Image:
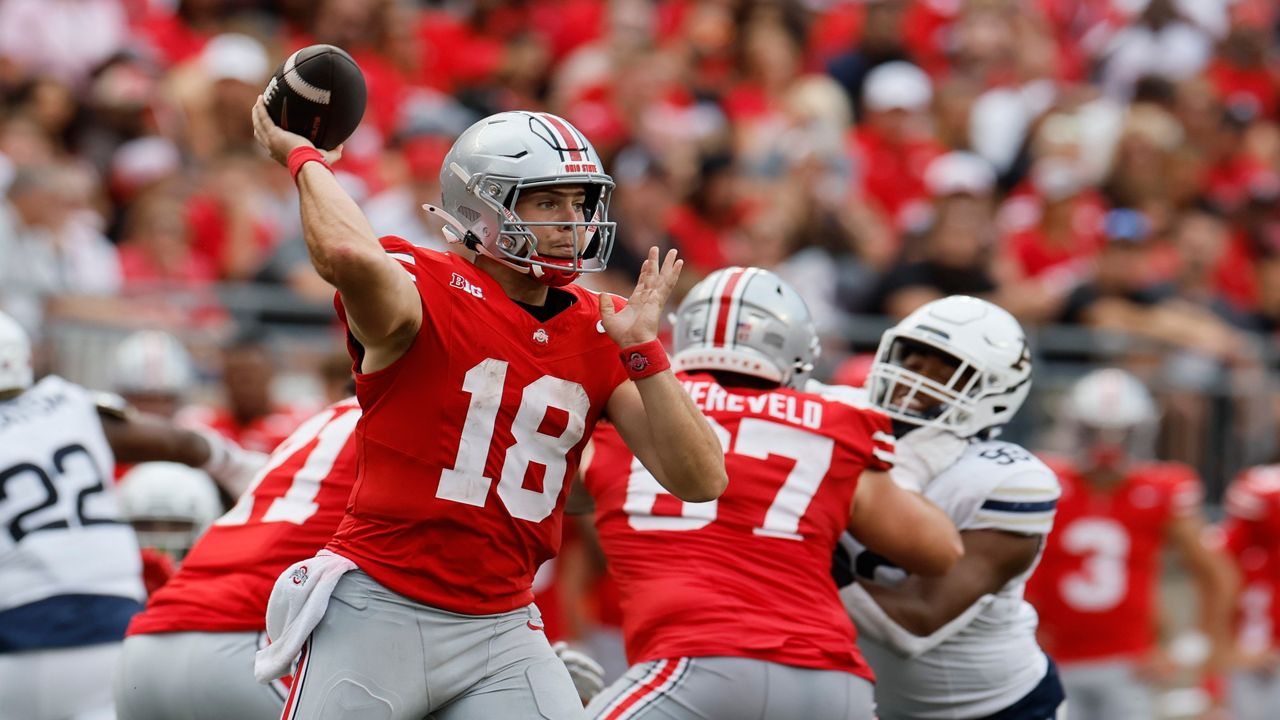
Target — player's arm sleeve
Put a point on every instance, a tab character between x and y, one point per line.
409	270
881	455
1024	502
873	622
377	282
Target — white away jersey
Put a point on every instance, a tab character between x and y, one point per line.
60	526
994	660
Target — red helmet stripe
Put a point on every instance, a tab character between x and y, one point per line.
719	337
566	137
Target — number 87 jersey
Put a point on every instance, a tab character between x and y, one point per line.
747	575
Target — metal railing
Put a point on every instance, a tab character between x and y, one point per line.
1224	420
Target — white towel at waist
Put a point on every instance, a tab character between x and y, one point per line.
298	601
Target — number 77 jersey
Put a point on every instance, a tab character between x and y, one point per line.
747	575
287	514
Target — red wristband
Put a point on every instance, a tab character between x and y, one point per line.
302	155
645	359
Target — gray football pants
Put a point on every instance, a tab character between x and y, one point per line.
194	676
377	655
1255	696
1106	690
731	688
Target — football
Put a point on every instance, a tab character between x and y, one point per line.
317	92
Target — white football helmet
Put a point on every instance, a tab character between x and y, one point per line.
992	375
1110	399
152	362
505	154
747	321
15	356
1113	417
169	505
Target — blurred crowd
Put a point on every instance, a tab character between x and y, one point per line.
1111	164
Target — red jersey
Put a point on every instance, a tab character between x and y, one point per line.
469	438
1252	534
749	574
287	515
1095	585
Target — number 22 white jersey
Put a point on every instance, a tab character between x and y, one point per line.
993	661
60	526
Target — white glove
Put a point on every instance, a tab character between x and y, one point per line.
922	454
230	465
588	676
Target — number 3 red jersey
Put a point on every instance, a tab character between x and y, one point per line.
749	574
468	438
287	514
1095	585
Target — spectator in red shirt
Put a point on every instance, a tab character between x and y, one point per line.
252	418
1055	227
895	144
157	250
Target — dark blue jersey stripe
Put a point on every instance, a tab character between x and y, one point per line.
1022	507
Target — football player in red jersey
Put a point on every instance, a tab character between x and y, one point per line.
1095	587
481	381
729	610
1251	533
194	644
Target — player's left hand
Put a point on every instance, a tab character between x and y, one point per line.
279	142
638	322
588	676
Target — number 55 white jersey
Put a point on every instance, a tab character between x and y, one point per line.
61	531
993	661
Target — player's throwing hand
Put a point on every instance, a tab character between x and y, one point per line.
638	322
279	143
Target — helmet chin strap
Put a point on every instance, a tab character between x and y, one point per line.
456	232
550	277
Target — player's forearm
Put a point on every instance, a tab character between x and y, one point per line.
1217	585
339	239
906	606
690	453
146	438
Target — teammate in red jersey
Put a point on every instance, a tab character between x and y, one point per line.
1251	533
250	417
481	382
1096	583
193	646
729	610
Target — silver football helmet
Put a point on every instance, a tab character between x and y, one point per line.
1111	417
15	355
505	154
169	505
992	375
152	362
747	321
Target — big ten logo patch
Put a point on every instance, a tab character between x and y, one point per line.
465	285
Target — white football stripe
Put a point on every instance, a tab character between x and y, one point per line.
403	257
302	87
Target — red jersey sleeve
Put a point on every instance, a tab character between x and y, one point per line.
877	427
414	261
